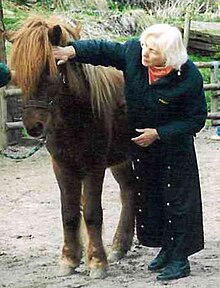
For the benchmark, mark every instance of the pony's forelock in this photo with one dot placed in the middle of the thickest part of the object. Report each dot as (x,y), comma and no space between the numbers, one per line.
(32,51)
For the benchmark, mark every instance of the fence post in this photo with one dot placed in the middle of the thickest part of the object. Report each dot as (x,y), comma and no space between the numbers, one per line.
(2,42)
(215,94)
(3,103)
(214,79)
(3,118)
(187,24)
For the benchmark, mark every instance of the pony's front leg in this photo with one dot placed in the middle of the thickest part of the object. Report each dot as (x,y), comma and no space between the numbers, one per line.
(123,237)
(70,187)
(93,215)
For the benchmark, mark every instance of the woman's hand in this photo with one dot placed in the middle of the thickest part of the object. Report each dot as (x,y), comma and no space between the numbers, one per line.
(62,54)
(147,137)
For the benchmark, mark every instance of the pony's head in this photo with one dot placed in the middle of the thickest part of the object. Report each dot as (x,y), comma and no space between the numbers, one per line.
(36,70)
(41,81)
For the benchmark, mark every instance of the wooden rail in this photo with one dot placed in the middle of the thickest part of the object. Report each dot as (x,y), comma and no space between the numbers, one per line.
(12,92)
(14,125)
(213,116)
(214,87)
(212,64)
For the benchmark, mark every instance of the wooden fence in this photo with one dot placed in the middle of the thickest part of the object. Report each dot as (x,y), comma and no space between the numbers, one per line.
(214,114)
(214,86)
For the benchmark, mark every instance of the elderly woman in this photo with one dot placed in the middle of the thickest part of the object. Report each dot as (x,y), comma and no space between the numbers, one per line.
(5,74)
(166,108)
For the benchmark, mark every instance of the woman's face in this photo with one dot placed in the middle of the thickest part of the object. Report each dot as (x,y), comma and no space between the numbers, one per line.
(151,56)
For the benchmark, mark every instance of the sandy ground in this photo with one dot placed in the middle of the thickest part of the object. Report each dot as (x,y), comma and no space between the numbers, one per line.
(31,234)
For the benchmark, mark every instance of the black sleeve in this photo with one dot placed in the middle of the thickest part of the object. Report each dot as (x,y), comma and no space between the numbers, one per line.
(5,74)
(100,52)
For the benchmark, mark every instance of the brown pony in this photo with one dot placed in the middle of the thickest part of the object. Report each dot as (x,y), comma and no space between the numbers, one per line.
(81,111)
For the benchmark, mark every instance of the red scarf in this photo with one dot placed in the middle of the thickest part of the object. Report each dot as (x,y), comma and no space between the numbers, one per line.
(155,73)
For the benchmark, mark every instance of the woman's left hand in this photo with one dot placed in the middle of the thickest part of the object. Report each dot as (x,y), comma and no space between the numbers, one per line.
(148,136)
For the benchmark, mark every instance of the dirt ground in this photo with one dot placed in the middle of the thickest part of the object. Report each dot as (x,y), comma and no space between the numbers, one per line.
(31,233)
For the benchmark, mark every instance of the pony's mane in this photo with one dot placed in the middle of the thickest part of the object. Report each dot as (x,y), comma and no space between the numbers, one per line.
(32,52)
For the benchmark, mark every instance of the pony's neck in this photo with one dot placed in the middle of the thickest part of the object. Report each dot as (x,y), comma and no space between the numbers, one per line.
(77,82)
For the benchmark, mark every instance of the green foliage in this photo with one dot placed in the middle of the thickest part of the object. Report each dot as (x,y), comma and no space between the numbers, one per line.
(206,75)
(208,123)
(205,71)
(19,2)
(23,132)
(15,14)
(116,6)
(12,21)
(217,54)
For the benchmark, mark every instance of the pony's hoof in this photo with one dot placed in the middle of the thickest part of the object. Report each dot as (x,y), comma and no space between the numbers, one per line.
(114,256)
(66,269)
(98,273)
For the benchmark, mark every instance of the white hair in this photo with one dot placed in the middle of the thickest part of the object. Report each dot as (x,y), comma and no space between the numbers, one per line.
(169,41)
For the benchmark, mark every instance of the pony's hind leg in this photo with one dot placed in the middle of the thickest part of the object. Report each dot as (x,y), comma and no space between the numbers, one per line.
(70,187)
(123,237)
(93,216)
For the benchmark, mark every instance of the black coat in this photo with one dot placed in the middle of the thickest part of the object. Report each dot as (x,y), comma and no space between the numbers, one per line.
(5,74)
(169,211)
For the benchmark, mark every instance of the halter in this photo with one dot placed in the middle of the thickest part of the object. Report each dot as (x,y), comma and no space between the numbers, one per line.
(41,105)
(32,103)
(38,104)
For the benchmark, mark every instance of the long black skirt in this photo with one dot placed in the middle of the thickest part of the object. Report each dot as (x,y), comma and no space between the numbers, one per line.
(168,200)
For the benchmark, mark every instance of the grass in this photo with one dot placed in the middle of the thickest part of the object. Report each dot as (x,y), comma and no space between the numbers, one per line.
(15,14)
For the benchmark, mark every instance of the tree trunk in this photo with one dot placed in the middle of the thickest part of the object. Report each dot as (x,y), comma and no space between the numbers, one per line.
(2,42)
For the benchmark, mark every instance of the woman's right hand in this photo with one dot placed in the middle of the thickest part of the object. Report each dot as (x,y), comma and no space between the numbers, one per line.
(62,54)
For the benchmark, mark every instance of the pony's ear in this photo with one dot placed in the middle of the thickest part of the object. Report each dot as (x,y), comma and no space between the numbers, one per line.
(8,35)
(54,35)
(78,30)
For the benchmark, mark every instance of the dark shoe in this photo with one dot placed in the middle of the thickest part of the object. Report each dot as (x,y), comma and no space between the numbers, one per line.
(160,261)
(174,270)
